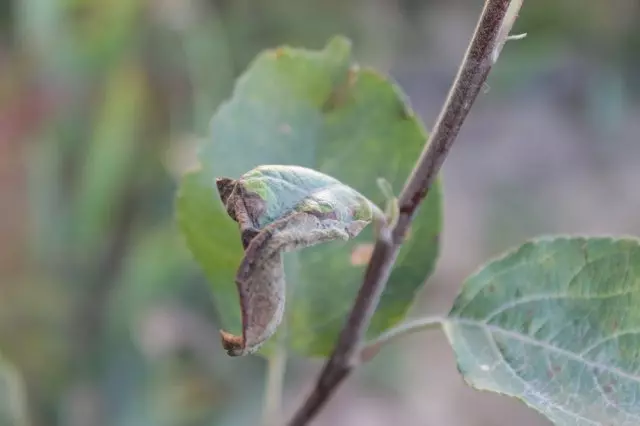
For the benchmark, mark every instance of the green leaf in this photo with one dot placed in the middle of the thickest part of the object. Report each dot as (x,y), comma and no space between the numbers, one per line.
(312,109)
(556,324)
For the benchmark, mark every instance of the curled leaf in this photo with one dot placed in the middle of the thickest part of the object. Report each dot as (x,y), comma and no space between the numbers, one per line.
(281,209)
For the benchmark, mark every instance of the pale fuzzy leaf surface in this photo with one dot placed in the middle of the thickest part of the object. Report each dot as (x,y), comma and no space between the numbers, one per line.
(280,209)
(556,324)
(313,109)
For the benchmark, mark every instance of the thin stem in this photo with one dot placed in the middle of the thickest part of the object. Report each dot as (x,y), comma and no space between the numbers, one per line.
(276,368)
(372,348)
(472,74)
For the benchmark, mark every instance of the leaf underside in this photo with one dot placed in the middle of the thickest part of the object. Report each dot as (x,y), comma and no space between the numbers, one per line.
(556,324)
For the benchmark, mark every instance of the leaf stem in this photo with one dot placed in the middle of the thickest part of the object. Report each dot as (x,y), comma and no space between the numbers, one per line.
(276,368)
(372,348)
(472,74)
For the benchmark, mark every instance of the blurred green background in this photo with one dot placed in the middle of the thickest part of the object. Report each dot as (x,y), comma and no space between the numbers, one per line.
(102,311)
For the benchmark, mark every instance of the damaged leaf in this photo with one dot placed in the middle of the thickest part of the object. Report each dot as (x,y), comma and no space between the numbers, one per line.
(281,209)
(314,109)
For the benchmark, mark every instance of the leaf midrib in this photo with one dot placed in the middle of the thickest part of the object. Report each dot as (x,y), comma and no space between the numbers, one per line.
(546,346)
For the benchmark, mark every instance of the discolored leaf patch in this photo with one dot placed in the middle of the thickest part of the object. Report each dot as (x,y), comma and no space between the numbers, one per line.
(361,254)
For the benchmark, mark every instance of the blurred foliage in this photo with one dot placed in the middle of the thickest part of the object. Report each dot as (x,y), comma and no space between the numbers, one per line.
(106,96)
(102,310)
(13,410)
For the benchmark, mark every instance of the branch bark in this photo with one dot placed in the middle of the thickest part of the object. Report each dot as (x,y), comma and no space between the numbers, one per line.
(483,50)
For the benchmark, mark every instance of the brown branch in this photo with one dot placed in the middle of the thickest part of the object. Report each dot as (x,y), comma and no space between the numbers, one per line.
(478,60)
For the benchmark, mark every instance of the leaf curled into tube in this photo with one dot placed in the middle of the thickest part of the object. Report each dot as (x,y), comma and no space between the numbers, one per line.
(281,209)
